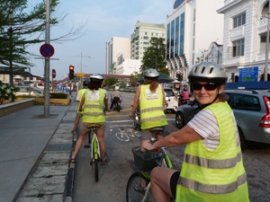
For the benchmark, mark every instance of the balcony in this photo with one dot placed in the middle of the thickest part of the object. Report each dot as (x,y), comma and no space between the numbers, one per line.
(262,25)
(237,33)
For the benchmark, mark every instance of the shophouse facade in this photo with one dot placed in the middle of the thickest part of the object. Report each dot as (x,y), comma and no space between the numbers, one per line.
(246,24)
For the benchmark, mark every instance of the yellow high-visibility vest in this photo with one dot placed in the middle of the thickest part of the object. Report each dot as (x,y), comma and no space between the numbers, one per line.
(80,94)
(151,108)
(93,108)
(218,175)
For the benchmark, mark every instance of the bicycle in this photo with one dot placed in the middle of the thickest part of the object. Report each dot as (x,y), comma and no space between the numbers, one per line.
(95,151)
(139,185)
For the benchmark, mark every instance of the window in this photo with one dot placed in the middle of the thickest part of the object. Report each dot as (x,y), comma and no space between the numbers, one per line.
(239,20)
(244,102)
(238,48)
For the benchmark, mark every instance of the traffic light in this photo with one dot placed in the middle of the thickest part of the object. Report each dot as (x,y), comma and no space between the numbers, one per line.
(71,72)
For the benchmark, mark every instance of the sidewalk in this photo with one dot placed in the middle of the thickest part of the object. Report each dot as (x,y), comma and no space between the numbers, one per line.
(34,153)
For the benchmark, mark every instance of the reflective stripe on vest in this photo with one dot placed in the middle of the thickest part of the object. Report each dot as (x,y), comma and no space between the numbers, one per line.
(157,118)
(210,163)
(152,109)
(213,189)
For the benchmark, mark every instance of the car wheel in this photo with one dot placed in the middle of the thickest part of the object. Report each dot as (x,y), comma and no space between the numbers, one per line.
(243,142)
(179,121)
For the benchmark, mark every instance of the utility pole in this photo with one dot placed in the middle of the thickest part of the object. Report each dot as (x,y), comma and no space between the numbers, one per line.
(47,64)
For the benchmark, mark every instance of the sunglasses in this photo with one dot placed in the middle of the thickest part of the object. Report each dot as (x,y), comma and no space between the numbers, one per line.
(207,86)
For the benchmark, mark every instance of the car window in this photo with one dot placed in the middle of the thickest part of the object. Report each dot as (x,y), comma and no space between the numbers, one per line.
(169,93)
(244,102)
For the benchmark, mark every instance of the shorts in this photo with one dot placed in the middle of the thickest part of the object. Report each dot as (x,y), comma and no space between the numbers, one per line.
(93,125)
(173,182)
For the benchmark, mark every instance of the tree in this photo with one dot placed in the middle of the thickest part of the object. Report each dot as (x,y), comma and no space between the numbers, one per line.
(19,28)
(154,56)
(110,82)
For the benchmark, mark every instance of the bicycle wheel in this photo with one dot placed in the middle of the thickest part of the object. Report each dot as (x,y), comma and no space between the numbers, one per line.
(95,150)
(135,189)
(96,170)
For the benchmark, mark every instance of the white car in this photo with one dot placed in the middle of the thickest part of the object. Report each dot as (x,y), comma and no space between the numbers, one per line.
(171,100)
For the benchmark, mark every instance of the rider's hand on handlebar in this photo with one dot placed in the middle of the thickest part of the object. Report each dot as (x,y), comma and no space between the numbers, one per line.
(147,145)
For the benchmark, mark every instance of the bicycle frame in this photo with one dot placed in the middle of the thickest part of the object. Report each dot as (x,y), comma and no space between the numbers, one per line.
(95,154)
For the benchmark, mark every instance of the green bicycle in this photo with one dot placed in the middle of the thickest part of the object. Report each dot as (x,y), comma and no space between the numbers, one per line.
(139,185)
(95,151)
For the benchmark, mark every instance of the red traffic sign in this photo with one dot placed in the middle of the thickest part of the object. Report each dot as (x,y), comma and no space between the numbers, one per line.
(53,73)
(46,50)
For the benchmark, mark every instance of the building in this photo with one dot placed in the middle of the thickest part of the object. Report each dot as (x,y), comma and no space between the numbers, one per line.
(117,47)
(140,38)
(191,27)
(213,54)
(245,45)
(128,66)
(124,55)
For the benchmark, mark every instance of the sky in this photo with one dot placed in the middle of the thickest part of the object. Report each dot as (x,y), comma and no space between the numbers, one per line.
(94,22)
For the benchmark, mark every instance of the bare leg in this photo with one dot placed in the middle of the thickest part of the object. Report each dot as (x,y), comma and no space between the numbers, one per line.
(101,138)
(160,183)
(79,142)
(76,122)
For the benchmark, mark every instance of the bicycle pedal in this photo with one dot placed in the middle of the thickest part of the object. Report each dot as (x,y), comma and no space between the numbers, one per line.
(91,162)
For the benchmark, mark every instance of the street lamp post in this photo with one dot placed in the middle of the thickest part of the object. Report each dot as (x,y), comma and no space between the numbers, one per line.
(81,64)
(47,64)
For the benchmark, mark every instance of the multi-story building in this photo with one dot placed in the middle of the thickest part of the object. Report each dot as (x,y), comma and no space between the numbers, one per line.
(117,47)
(245,45)
(191,28)
(140,38)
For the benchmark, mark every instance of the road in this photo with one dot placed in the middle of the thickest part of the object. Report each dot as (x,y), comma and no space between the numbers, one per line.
(114,175)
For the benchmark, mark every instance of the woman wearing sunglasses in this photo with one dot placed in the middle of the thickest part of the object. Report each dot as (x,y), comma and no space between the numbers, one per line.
(212,169)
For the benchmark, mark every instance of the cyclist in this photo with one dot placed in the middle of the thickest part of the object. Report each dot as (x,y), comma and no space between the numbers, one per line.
(185,96)
(150,99)
(115,98)
(92,107)
(78,98)
(212,169)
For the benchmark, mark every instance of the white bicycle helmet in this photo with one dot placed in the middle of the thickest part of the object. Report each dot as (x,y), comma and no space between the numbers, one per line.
(96,77)
(151,73)
(208,71)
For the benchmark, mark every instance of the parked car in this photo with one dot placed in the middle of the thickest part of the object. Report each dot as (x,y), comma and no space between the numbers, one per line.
(185,113)
(252,112)
(171,100)
(28,91)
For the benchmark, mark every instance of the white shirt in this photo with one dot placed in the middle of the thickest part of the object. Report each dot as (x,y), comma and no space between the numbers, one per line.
(205,124)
